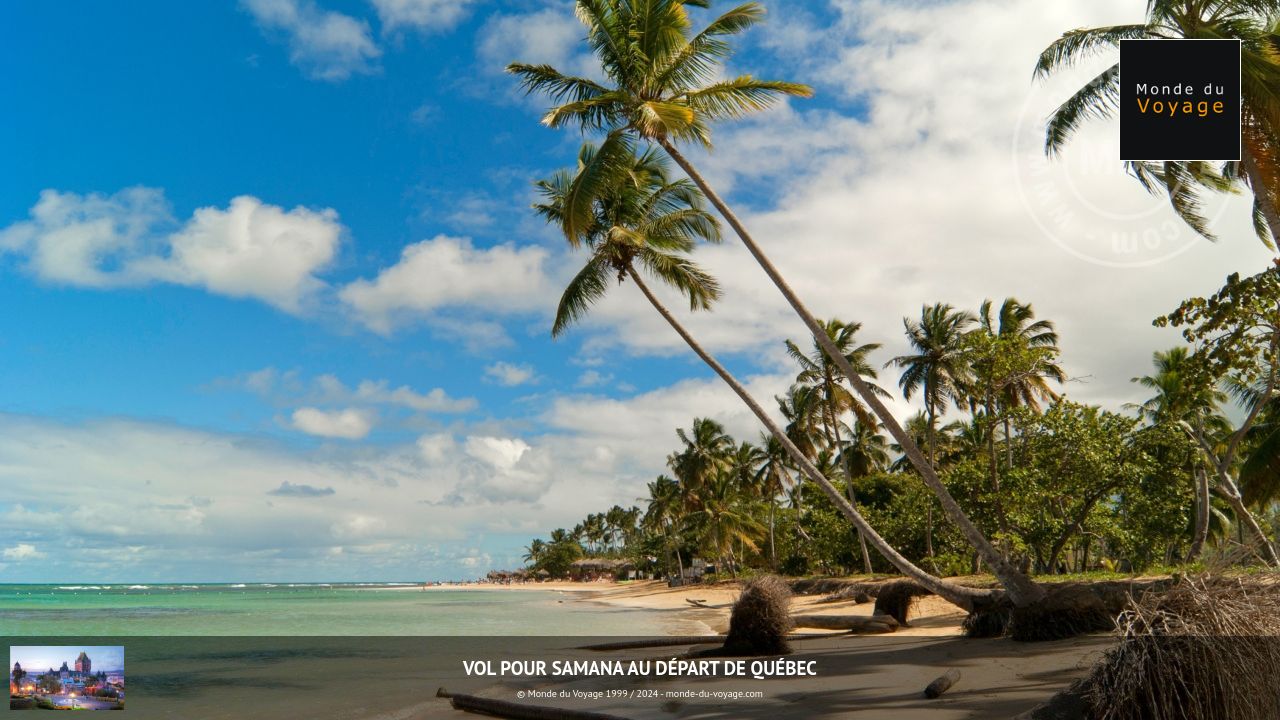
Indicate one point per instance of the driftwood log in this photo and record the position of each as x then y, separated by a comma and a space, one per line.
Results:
942, 684
518, 711
852, 623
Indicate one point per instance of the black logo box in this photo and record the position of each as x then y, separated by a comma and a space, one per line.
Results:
1189, 65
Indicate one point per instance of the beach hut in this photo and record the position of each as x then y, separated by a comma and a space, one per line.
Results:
594, 569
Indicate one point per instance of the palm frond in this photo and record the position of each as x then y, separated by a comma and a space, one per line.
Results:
1083, 42
695, 63
588, 286
597, 173
683, 274
1098, 99
547, 80
741, 96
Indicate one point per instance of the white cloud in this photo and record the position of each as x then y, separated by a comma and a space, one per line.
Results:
22, 551
423, 15
248, 250
349, 424
450, 272
252, 250
325, 44
190, 504
291, 388
551, 36
505, 373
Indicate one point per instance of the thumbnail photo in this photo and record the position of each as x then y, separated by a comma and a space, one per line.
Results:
66, 677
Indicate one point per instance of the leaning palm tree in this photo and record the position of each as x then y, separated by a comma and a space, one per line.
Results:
1245, 20
663, 87
937, 365
643, 222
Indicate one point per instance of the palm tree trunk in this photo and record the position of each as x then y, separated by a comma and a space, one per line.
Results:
1228, 490
1021, 589
773, 549
1260, 192
1201, 531
960, 595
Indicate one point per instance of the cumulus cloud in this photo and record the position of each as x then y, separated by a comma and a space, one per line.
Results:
447, 272
509, 374
325, 44
22, 551
349, 424
550, 36
425, 15
248, 250
288, 489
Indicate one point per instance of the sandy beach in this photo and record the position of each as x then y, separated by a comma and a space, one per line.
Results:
863, 676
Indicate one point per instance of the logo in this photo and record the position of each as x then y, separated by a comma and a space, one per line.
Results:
1180, 100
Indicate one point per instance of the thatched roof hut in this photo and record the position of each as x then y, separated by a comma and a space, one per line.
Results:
599, 566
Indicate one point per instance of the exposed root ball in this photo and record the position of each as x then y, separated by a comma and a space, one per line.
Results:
1067, 611
895, 599
1203, 649
761, 619
989, 618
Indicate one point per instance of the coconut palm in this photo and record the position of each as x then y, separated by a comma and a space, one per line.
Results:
773, 475
833, 399
1177, 399
1016, 320
662, 85
632, 225
666, 512
535, 551
819, 371
726, 516
937, 367
707, 450
1245, 20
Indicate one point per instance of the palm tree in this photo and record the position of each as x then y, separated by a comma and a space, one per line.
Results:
666, 513
772, 477
1177, 399
632, 225
707, 451
662, 86
727, 518
937, 368
1245, 20
1016, 322
535, 552
820, 373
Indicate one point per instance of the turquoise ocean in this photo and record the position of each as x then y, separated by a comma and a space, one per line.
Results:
308, 609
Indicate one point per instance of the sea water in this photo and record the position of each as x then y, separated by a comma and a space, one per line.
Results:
307, 609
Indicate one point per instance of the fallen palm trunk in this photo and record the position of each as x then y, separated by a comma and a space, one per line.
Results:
518, 711
942, 684
852, 623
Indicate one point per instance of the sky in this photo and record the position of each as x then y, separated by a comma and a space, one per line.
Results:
275, 306
39, 658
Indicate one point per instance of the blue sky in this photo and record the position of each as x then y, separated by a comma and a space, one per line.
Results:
275, 306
